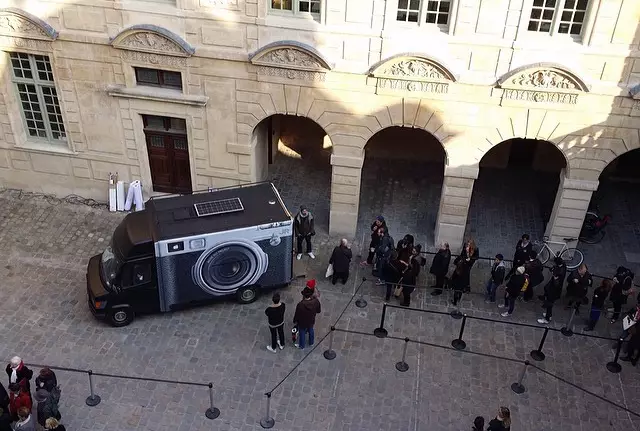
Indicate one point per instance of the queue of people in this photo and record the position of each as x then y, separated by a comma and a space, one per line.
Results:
17, 406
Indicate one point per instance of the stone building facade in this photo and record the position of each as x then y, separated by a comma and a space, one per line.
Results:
178, 93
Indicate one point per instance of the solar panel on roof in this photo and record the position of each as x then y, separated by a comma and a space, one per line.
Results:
218, 207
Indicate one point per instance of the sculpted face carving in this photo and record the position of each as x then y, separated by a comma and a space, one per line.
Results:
150, 41
414, 68
544, 79
292, 57
16, 24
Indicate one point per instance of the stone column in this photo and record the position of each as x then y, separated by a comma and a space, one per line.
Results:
457, 188
345, 194
569, 209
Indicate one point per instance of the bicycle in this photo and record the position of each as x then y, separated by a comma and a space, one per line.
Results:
593, 227
571, 256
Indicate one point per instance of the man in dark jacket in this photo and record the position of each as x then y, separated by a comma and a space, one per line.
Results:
341, 259
4, 398
597, 303
622, 288
440, 267
497, 278
522, 253
303, 225
533, 268
383, 253
553, 289
512, 291
578, 285
378, 223
47, 404
305, 317
5, 419
405, 248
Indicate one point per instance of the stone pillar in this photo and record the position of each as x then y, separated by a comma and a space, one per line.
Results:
345, 194
569, 209
457, 188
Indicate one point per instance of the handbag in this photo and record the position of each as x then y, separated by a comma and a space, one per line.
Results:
329, 272
398, 291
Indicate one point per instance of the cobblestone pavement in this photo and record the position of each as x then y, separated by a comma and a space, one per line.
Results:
45, 320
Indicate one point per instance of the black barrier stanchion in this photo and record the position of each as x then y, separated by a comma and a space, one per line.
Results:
330, 354
518, 387
614, 366
567, 330
93, 399
402, 366
537, 355
458, 343
361, 302
212, 412
267, 421
380, 332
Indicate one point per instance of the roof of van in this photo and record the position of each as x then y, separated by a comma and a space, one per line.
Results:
176, 216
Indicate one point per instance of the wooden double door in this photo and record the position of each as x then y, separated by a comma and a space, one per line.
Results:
168, 151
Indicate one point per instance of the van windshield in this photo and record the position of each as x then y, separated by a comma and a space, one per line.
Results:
111, 265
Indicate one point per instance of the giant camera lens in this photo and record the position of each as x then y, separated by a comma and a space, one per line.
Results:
229, 266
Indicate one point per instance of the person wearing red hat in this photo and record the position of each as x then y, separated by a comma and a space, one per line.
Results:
305, 315
311, 284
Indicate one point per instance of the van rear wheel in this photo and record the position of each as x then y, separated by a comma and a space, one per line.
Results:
121, 316
247, 295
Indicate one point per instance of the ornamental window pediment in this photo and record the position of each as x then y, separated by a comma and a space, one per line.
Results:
21, 24
153, 40
291, 60
412, 73
542, 83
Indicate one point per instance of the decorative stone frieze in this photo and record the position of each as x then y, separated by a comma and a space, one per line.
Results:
413, 74
220, 4
153, 59
303, 75
17, 23
540, 96
291, 60
17, 42
152, 39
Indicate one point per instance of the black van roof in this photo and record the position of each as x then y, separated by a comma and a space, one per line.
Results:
229, 208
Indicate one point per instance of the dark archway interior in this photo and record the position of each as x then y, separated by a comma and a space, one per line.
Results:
514, 194
294, 153
618, 195
402, 180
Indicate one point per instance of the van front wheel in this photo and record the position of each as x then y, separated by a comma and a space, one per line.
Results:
247, 295
121, 316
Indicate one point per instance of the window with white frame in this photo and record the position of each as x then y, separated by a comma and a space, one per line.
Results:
558, 16
424, 11
33, 78
298, 7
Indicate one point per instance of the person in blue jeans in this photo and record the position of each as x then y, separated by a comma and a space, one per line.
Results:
305, 317
497, 278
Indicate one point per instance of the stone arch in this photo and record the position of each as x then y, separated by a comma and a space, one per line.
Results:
289, 54
19, 23
413, 65
152, 39
545, 76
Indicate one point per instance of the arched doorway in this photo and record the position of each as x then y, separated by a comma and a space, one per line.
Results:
618, 195
514, 193
294, 153
402, 180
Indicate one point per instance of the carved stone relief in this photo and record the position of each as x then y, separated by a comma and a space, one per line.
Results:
413, 86
146, 41
544, 79
636, 106
154, 59
290, 58
17, 42
224, 4
12, 24
540, 96
304, 75
413, 68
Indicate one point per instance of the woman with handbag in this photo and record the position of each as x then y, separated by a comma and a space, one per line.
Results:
459, 281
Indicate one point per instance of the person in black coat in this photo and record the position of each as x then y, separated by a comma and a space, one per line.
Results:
5, 419
553, 289
386, 248
375, 238
522, 253
622, 288
304, 227
578, 285
275, 318
440, 267
512, 291
405, 248
19, 373
496, 279
468, 256
410, 276
459, 281
46, 379
597, 303
533, 268
341, 259
502, 421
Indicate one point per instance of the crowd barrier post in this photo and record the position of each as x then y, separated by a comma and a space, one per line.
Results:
267, 421
361, 302
330, 354
614, 366
567, 330
380, 332
212, 412
458, 343
537, 355
518, 387
402, 366
93, 399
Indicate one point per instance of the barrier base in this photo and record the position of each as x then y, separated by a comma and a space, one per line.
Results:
537, 355
361, 303
329, 355
567, 332
456, 314
459, 344
614, 367
518, 388
380, 332
267, 423
402, 366
93, 400
436, 292
212, 413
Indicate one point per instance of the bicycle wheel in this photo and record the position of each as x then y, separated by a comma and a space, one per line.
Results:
594, 238
572, 257
544, 255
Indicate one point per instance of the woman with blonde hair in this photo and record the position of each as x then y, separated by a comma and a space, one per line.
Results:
467, 258
53, 424
502, 421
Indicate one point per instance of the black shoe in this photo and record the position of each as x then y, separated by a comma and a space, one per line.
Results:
625, 358
387, 298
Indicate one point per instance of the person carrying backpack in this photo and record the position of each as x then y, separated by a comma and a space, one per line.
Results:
553, 289
47, 404
622, 288
533, 268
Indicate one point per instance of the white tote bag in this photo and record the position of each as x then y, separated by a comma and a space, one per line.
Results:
329, 272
